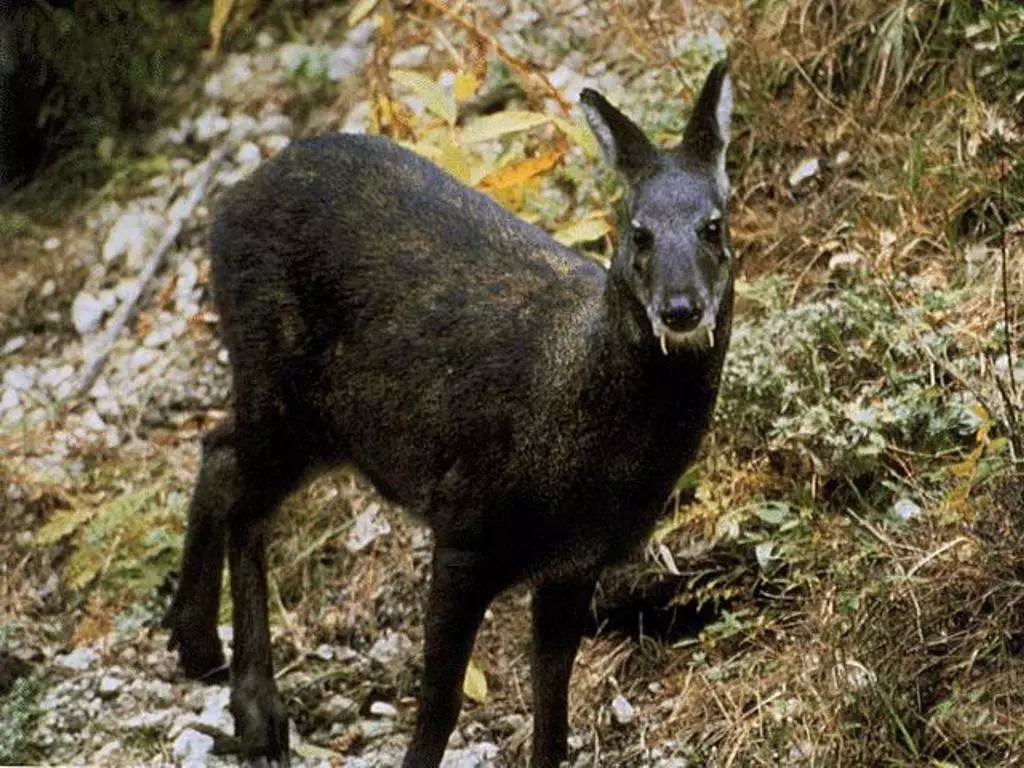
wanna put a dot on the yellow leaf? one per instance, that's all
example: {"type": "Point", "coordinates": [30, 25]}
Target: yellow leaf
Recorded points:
{"type": "Point", "coordinates": [475, 683]}
{"type": "Point", "coordinates": [465, 86]}
{"type": "Point", "coordinates": [511, 199]}
{"type": "Point", "coordinates": [579, 134]}
{"type": "Point", "coordinates": [501, 123]}
{"type": "Point", "coordinates": [62, 524]}
{"type": "Point", "coordinates": [360, 11]}
{"type": "Point", "coordinates": [218, 18]}
{"type": "Point", "coordinates": [514, 174]}
{"type": "Point", "coordinates": [583, 230]}
{"type": "Point", "coordinates": [435, 98]}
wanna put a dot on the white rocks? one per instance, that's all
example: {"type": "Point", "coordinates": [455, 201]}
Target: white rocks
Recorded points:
{"type": "Point", "coordinates": [191, 747]}
{"type": "Point", "coordinates": [215, 710]}
{"type": "Point", "coordinates": [141, 359]}
{"type": "Point", "coordinates": [411, 58]}
{"type": "Point", "coordinates": [59, 381]}
{"type": "Point", "coordinates": [86, 313]}
{"type": "Point", "coordinates": [274, 143]}
{"type": "Point", "coordinates": [241, 126]}
{"type": "Point", "coordinates": [51, 244]}
{"type": "Point", "coordinates": [92, 420]}
{"type": "Point", "coordinates": [368, 527]}
{"type": "Point", "coordinates": [358, 118]}
{"type": "Point", "coordinates": [275, 122]}
{"type": "Point", "coordinates": [209, 125]}
{"type": "Point", "coordinates": [106, 754]}
{"type": "Point", "coordinates": [20, 377]}
{"type": "Point", "coordinates": [133, 236]}
{"type": "Point", "coordinates": [152, 718]}
{"type": "Point", "coordinates": [622, 711]}
{"type": "Point", "coordinates": [109, 687]}
{"type": "Point", "coordinates": [78, 660]}
{"type": "Point", "coordinates": [231, 78]}
{"type": "Point", "coordinates": [808, 169]}
{"type": "Point", "coordinates": [345, 61]}
{"type": "Point", "coordinates": [10, 402]}
{"type": "Point", "coordinates": [383, 709]}
{"type": "Point", "coordinates": [301, 57]}
{"type": "Point", "coordinates": [187, 277]}
{"type": "Point", "coordinates": [159, 337]}
{"type": "Point", "coordinates": [248, 154]}
{"type": "Point", "coordinates": [324, 652]}
{"type": "Point", "coordinates": [13, 345]}
{"type": "Point", "coordinates": [339, 707]}
{"type": "Point", "coordinates": [906, 509]}
{"type": "Point", "coordinates": [390, 647]}
{"type": "Point", "coordinates": [480, 755]}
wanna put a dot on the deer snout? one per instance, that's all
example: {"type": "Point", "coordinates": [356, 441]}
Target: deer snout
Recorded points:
{"type": "Point", "coordinates": [682, 313]}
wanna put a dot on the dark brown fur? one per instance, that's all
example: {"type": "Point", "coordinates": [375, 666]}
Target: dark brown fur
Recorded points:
{"type": "Point", "coordinates": [501, 388]}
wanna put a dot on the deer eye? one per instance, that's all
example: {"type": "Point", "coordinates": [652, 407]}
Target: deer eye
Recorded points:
{"type": "Point", "coordinates": [711, 231]}
{"type": "Point", "coordinates": [643, 238]}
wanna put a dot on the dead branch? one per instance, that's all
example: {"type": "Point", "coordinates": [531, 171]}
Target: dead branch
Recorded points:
{"type": "Point", "coordinates": [95, 362]}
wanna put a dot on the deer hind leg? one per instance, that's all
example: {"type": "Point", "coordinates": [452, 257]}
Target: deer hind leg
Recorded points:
{"type": "Point", "coordinates": [192, 617]}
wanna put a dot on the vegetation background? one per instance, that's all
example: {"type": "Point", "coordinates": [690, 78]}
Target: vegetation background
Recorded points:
{"type": "Point", "coordinates": [839, 582]}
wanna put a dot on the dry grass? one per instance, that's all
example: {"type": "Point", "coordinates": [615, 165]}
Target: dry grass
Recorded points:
{"type": "Point", "coordinates": [877, 643]}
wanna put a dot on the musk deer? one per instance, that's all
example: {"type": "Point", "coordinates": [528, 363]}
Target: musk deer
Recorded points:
{"type": "Point", "coordinates": [531, 407]}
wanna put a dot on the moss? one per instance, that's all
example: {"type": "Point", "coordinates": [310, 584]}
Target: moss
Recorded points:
{"type": "Point", "coordinates": [95, 73]}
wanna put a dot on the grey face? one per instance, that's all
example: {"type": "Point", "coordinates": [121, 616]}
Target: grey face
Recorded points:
{"type": "Point", "coordinates": [675, 255]}
{"type": "Point", "coordinates": [674, 251]}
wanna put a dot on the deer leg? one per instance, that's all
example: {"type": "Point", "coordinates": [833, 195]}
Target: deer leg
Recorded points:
{"type": "Point", "coordinates": [261, 724]}
{"type": "Point", "coordinates": [461, 588]}
{"type": "Point", "coordinates": [192, 617]}
{"type": "Point", "coordinates": [559, 614]}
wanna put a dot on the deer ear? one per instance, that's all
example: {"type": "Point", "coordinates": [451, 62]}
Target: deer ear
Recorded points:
{"type": "Point", "coordinates": [706, 138]}
{"type": "Point", "coordinates": [625, 146]}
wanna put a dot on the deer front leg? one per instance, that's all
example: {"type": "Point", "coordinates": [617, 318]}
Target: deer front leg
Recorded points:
{"type": "Point", "coordinates": [461, 588]}
{"type": "Point", "coordinates": [559, 615]}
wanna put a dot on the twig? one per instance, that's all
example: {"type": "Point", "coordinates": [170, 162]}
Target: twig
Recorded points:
{"type": "Point", "coordinates": [1009, 403]}
{"type": "Point", "coordinates": [522, 66]}
{"type": "Point", "coordinates": [932, 555]}
{"type": "Point", "coordinates": [106, 342]}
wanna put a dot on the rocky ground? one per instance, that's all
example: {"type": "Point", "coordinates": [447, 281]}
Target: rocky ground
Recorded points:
{"type": "Point", "coordinates": [110, 692]}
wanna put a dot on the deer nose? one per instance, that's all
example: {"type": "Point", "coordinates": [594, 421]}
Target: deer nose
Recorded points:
{"type": "Point", "coordinates": [681, 313]}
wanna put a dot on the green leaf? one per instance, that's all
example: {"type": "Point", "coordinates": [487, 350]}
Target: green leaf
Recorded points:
{"type": "Point", "coordinates": [435, 97]}
{"type": "Point", "coordinates": [579, 134]}
{"type": "Point", "coordinates": [62, 524]}
{"type": "Point", "coordinates": [502, 123]}
{"type": "Point", "coordinates": [313, 752]}
{"type": "Point", "coordinates": [773, 514]}
{"type": "Point", "coordinates": [83, 566]}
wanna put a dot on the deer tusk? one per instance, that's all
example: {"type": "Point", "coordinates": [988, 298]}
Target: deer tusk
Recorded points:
{"type": "Point", "coordinates": [664, 344]}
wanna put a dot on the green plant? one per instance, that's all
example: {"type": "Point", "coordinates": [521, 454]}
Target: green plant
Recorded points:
{"type": "Point", "coordinates": [17, 709]}
{"type": "Point", "coordinates": [869, 382]}
{"type": "Point", "coordinates": [128, 544]}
